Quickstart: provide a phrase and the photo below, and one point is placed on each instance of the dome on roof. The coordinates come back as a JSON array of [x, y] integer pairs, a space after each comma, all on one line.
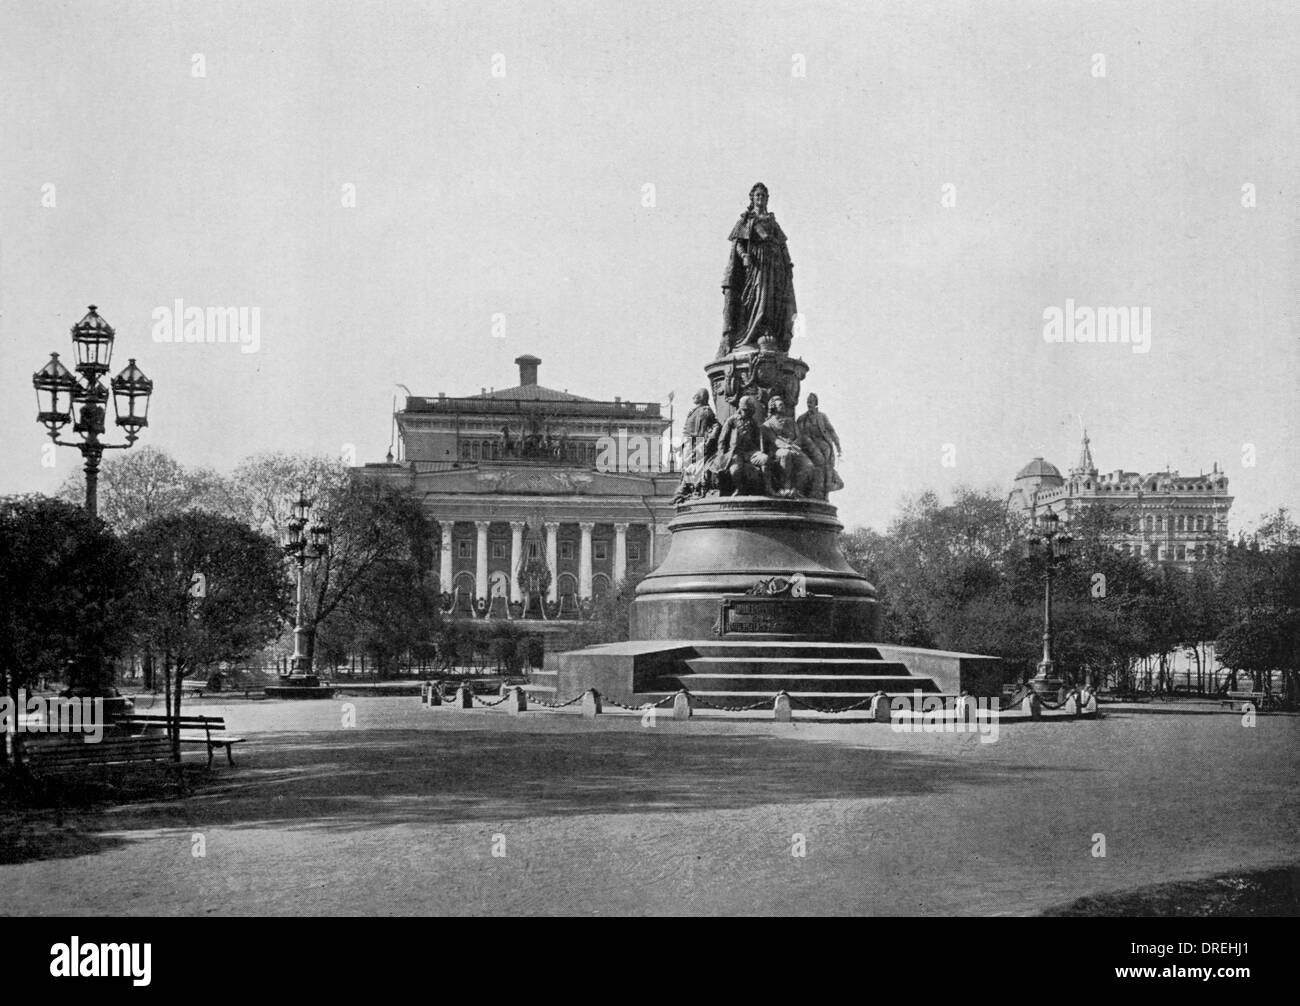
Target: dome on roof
[[1040, 469]]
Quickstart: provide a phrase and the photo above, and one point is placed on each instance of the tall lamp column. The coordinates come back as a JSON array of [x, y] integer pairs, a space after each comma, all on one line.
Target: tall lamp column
[[305, 543], [1051, 544], [62, 398]]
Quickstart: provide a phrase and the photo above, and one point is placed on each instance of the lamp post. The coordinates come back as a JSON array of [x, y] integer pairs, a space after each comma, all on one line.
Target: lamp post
[[61, 398], [305, 543], [1051, 544]]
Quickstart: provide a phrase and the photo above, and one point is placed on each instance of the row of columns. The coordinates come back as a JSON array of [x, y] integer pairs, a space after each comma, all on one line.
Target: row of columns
[[517, 552]]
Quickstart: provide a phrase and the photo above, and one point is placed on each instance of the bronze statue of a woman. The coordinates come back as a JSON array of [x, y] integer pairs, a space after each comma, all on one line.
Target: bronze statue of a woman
[[758, 286]]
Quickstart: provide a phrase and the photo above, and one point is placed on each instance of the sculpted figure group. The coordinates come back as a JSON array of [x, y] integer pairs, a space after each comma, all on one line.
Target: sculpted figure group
[[535, 439], [781, 456]]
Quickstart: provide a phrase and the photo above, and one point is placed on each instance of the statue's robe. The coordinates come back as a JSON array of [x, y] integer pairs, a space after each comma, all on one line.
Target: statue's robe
[[761, 297]]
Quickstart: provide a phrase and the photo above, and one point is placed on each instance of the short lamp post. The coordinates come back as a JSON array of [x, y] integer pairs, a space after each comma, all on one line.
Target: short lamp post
[[305, 543], [61, 398], [1051, 544]]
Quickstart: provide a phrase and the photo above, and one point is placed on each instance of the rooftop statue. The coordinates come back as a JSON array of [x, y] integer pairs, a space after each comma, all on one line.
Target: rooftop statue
[[758, 285]]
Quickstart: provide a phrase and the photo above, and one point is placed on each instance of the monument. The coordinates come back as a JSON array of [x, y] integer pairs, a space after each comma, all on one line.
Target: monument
[[755, 595]]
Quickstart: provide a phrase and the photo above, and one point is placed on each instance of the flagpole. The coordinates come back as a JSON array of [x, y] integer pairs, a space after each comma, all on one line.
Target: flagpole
[[672, 458]]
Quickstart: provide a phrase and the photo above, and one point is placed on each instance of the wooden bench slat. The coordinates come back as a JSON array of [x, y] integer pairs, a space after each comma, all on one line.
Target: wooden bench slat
[[207, 724], [107, 751]]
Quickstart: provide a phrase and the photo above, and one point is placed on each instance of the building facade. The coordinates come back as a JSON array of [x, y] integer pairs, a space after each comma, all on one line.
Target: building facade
[[542, 499], [1165, 517]]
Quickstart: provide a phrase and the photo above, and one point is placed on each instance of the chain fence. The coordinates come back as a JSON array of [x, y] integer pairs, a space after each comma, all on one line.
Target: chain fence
[[665, 701], [532, 700], [448, 696], [813, 707]]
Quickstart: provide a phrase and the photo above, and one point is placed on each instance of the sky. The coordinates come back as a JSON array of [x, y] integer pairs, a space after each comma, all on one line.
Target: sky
[[417, 193]]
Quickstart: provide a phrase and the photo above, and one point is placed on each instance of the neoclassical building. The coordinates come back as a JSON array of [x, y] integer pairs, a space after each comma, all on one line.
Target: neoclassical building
[[530, 478], [1165, 517]]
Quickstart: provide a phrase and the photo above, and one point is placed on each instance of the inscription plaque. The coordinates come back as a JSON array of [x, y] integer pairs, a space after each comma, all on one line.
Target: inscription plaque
[[776, 616]]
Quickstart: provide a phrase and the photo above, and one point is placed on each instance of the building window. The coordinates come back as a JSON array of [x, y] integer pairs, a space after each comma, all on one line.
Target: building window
[[1155, 553], [633, 551], [1180, 554], [499, 550], [600, 550], [465, 549], [464, 450], [1151, 524], [566, 550]]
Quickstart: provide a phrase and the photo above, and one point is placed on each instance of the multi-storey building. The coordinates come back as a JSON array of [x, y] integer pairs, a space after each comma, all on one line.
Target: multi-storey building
[[1164, 516], [527, 478]]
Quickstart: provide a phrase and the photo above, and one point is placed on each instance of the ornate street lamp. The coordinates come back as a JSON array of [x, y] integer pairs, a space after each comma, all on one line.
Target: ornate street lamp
[[305, 542], [61, 398], [1051, 544]]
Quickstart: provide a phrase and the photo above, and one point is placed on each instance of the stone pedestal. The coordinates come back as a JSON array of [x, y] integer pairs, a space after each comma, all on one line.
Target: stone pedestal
[[1047, 688], [755, 597], [758, 373], [722, 547], [300, 686]]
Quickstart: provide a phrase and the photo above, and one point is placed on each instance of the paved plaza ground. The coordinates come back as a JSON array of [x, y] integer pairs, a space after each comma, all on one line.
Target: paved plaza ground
[[400, 815]]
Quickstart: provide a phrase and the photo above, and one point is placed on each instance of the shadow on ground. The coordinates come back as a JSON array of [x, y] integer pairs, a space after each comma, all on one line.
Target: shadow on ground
[[351, 780], [1261, 893]]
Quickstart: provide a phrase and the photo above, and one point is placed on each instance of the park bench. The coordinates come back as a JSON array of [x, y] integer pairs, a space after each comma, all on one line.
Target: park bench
[[1260, 700], [206, 730], [51, 752]]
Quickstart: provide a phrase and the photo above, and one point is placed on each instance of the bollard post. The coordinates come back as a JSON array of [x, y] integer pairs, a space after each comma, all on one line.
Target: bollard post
[[464, 697], [424, 693], [435, 693], [966, 708], [683, 709], [1031, 706], [1088, 701], [503, 690], [781, 707], [517, 702], [1072, 703], [880, 708], [590, 704]]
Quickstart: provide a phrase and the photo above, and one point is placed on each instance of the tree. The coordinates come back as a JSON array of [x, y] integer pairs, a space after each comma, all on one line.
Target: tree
[[375, 528], [65, 593], [390, 613], [941, 573], [209, 589], [611, 612], [1261, 584], [956, 576], [138, 485], [263, 487]]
